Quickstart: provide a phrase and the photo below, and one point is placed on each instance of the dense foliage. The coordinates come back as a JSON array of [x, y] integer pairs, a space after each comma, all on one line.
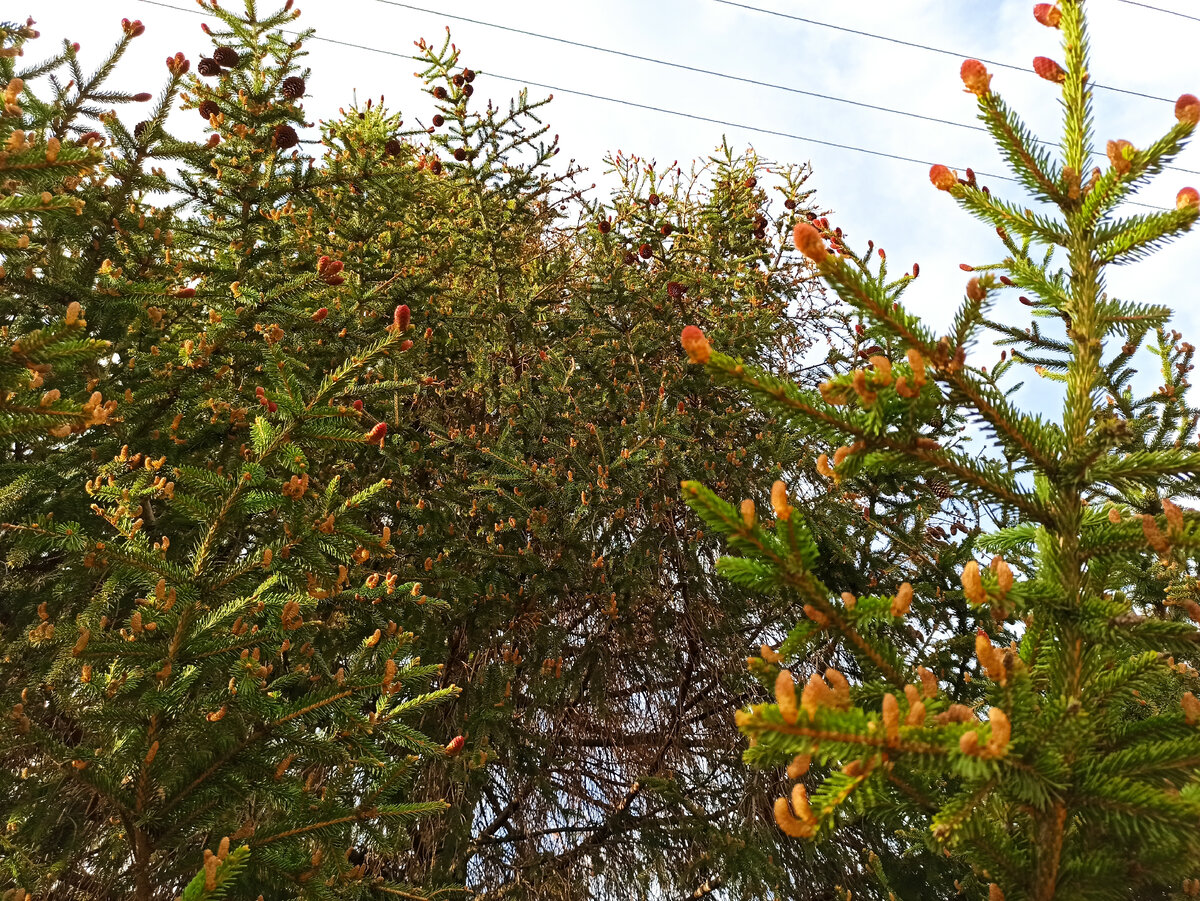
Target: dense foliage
[[248, 485], [340, 500]]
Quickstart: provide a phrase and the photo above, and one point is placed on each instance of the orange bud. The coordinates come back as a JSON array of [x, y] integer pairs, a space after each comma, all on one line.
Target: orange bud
[[968, 743], [320, 314], [816, 615], [1187, 109], [1116, 155], [990, 659], [1004, 575], [809, 242], [917, 362], [1154, 537], [796, 828], [799, 766], [1187, 198], [891, 718], [929, 684], [1049, 70], [1191, 708], [1174, 516], [454, 748], [401, 317], [973, 584], [785, 697], [865, 394], [823, 466], [377, 434], [779, 500], [1047, 14], [695, 344], [1001, 731], [749, 513], [816, 694], [840, 688], [975, 291], [883, 369], [942, 177], [903, 600], [916, 715], [975, 77]]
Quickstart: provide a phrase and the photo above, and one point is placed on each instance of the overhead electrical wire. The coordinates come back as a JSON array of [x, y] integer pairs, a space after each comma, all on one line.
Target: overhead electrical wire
[[649, 107], [1159, 9], [728, 76], [942, 50]]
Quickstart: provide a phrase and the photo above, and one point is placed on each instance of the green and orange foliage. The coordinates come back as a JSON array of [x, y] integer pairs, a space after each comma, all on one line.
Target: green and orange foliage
[[219, 678], [549, 424], [1063, 763], [418, 398], [63, 208]]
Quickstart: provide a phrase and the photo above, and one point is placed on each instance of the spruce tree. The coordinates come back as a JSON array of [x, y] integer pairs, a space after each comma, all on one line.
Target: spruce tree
[[218, 682], [1067, 764]]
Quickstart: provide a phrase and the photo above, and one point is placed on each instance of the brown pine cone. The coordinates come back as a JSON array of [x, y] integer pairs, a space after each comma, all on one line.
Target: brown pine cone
[[468, 75], [630, 258], [605, 226], [940, 487], [226, 56], [286, 137], [751, 182], [439, 92], [293, 87], [646, 251], [438, 121], [208, 67], [208, 109], [460, 154], [666, 229], [393, 146], [140, 129], [789, 204], [652, 200], [458, 80], [675, 290]]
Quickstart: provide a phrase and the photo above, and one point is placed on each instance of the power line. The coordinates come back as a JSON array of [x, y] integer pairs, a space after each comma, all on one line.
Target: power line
[[658, 109], [728, 76], [755, 128], [682, 66], [1159, 9], [942, 50]]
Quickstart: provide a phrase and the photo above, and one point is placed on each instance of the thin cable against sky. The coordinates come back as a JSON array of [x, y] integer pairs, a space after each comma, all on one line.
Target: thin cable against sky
[[697, 69], [1159, 9], [942, 50], [650, 108]]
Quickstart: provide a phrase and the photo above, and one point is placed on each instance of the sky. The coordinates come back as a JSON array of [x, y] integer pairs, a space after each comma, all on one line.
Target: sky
[[889, 201]]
